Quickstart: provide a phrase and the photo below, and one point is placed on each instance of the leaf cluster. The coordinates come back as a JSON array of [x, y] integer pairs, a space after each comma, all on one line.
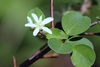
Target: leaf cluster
[[61, 41]]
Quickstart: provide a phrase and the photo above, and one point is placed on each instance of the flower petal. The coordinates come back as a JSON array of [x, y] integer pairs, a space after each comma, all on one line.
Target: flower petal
[[47, 20], [47, 30], [35, 17], [36, 31], [40, 19], [30, 25], [29, 19]]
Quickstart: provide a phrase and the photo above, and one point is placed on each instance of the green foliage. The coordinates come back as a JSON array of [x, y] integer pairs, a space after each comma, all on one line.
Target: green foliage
[[37, 11], [83, 41], [74, 23], [83, 56], [59, 47], [82, 51], [56, 33]]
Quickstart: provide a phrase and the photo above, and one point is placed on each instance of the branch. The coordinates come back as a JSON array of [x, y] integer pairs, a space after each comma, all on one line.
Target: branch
[[52, 12], [95, 23], [85, 6], [54, 55], [90, 34], [39, 54], [14, 62], [98, 34]]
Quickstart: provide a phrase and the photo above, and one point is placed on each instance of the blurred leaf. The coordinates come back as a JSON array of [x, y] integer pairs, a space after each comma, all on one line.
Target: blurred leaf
[[74, 23], [59, 47], [37, 11], [95, 11], [56, 33], [83, 56], [67, 1]]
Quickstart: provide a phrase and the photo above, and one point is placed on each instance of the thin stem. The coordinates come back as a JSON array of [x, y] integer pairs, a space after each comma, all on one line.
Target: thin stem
[[95, 23], [52, 12], [87, 34], [54, 55], [14, 62], [90, 34], [98, 34], [85, 6]]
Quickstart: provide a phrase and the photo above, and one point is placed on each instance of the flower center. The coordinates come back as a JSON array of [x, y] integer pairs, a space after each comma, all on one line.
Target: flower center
[[39, 25]]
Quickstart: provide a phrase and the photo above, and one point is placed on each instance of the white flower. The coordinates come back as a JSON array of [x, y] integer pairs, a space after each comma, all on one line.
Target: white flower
[[39, 24]]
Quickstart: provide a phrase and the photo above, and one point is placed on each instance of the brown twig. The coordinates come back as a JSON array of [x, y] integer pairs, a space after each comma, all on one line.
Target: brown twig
[[95, 23], [14, 62], [85, 6], [90, 34], [52, 12], [87, 34], [54, 55]]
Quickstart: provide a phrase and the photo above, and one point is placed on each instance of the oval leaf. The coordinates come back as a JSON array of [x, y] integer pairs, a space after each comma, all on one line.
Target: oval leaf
[[83, 41], [83, 56], [38, 12], [74, 23], [56, 33], [59, 47]]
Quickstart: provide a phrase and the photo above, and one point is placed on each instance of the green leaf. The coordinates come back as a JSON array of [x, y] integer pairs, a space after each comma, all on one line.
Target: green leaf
[[74, 23], [83, 56], [83, 41], [59, 47], [38, 12], [56, 33]]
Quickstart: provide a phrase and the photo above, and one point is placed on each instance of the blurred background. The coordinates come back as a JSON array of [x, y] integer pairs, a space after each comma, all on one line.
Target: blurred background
[[18, 41]]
